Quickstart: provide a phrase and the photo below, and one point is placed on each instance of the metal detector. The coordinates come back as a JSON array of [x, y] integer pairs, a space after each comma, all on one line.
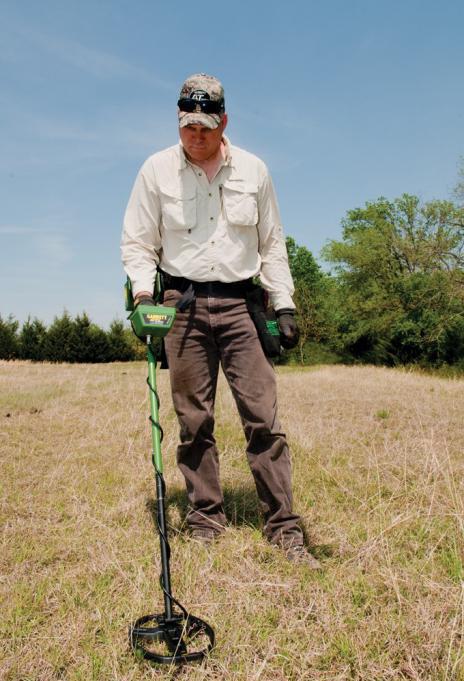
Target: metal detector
[[169, 637]]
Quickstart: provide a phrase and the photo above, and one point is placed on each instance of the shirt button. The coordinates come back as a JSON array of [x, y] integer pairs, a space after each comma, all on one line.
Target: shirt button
[[212, 268], [210, 194], [211, 218], [199, 174], [212, 243], [189, 230]]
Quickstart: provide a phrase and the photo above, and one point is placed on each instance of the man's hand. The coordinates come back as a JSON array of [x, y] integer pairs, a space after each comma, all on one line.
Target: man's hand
[[289, 333], [144, 299]]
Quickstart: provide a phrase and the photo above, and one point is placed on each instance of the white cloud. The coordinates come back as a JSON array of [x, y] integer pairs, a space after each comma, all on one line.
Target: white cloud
[[53, 129], [15, 230], [49, 243], [98, 63], [53, 141], [54, 248]]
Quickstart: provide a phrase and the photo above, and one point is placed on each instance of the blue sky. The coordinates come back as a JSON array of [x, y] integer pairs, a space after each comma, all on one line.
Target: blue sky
[[345, 100]]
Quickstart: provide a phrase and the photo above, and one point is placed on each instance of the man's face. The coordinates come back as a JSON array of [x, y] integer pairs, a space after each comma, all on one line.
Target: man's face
[[201, 143]]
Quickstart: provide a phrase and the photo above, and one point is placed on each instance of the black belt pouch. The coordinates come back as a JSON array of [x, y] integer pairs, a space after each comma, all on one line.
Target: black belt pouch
[[264, 321]]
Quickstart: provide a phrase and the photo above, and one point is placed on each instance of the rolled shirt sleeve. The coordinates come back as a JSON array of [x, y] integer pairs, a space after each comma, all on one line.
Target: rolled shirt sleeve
[[275, 272]]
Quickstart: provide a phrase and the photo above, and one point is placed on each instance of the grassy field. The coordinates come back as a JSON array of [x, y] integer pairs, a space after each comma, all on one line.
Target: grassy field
[[378, 479]]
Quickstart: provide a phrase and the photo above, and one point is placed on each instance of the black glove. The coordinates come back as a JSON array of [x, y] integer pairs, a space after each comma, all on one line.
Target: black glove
[[289, 332], [145, 300]]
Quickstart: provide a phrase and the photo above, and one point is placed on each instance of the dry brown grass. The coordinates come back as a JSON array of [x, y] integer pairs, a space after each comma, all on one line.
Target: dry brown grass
[[378, 479]]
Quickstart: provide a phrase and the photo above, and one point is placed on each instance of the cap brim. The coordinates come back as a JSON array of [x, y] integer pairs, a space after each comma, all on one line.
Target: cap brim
[[207, 120]]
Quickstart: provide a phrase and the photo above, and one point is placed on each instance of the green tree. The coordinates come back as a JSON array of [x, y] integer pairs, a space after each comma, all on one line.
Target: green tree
[[32, 340], [77, 340], [121, 347], [458, 191], [400, 267], [9, 344], [303, 265], [59, 339], [314, 291], [87, 342]]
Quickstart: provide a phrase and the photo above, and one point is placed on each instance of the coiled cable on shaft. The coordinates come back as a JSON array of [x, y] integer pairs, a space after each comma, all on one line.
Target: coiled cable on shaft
[[161, 487]]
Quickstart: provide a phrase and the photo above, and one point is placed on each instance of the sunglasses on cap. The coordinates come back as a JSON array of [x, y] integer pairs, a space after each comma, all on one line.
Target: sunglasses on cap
[[207, 106]]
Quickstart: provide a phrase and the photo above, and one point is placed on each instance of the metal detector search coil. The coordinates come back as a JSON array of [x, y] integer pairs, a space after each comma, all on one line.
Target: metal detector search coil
[[149, 320]]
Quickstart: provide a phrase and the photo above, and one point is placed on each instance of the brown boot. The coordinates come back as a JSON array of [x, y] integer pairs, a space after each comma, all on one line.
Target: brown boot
[[204, 535], [299, 554]]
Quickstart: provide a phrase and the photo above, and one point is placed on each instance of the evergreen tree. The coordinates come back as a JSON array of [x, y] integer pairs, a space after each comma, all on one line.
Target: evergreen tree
[[9, 344], [120, 345], [88, 343], [59, 339], [99, 345], [32, 340]]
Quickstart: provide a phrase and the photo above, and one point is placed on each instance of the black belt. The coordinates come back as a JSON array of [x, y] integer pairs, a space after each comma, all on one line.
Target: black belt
[[215, 289]]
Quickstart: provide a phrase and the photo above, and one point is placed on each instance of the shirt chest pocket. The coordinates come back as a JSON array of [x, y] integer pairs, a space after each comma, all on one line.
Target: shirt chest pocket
[[178, 208], [240, 202]]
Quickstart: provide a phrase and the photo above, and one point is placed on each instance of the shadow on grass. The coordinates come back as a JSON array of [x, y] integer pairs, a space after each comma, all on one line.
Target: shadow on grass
[[240, 506]]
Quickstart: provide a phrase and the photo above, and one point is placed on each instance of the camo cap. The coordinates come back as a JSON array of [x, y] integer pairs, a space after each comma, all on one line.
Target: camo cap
[[201, 87]]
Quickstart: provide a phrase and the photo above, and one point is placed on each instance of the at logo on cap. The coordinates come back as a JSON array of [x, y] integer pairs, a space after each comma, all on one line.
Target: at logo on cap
[[199, 95]]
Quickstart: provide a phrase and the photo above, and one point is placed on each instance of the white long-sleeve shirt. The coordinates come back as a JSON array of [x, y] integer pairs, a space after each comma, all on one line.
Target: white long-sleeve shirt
[[224, 230]]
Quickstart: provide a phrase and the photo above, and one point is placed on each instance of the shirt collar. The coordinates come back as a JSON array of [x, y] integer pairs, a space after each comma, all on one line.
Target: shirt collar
[[228, 160], [228, 157]]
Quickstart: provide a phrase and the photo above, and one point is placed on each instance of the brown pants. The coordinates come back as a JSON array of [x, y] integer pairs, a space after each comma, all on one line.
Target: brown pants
[[213, 332]]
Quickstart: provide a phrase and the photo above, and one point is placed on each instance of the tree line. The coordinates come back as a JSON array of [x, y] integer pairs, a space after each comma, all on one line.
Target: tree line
[[394, 295], [68, 340]]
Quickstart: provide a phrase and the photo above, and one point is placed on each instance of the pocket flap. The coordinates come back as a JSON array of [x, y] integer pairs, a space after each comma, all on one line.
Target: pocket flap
[[178, 192], [240, 202], [242, 186], [178, 206]]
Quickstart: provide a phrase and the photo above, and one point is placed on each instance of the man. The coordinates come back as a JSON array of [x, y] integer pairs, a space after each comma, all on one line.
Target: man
[[204, 213]]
